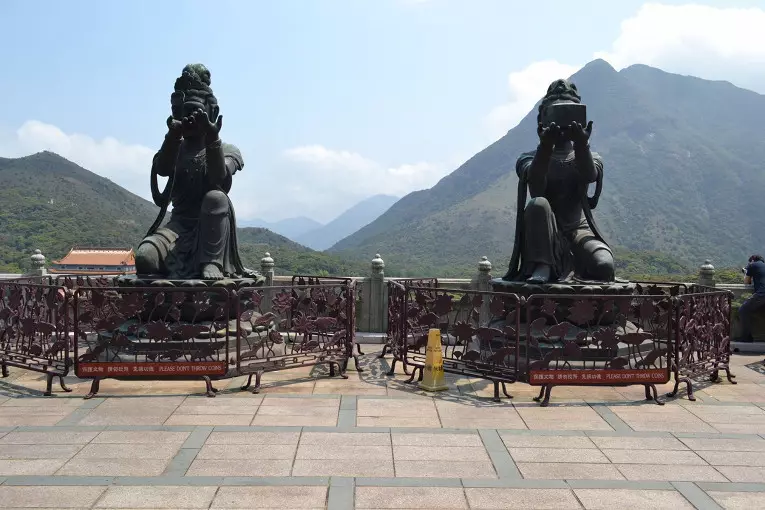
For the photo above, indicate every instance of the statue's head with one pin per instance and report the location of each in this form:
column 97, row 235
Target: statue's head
column 192, row 92
column 559, row 91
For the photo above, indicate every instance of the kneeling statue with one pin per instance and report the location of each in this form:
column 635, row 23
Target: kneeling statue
column 556, row 238
column 199, row 240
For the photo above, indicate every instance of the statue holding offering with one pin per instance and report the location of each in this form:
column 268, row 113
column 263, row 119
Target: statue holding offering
column 556, row 238
column 199, row 240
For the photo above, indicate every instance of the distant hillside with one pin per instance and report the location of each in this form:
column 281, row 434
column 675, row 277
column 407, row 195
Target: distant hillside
column 347, row 223
column 50, row 203
column 684, row 177
column 291, row 228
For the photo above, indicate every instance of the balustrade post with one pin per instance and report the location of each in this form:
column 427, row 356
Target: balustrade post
column 378, row 299
column 267, row 270
column 482, row 283
column 38, row 264
column 707, row 274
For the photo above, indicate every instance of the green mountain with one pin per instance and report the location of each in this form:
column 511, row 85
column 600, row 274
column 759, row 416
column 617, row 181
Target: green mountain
column 52, row 204
column 683, row 182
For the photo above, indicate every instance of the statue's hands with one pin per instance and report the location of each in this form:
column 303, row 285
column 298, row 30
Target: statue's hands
column 174, row 127
column 210, row 129
column 579, row 134
column 548, row 134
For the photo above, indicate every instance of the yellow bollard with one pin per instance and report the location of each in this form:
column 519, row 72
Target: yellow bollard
column 433, row 376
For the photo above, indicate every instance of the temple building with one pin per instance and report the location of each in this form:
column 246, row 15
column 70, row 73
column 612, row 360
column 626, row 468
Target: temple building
column 96, row 261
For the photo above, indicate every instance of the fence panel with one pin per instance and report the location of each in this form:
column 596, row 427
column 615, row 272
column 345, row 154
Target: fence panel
column 702, row 345
column 34, row 330
column 296, row 326
column 396, row 303
column 598, row 340
column 152, row 332
column 474, row 344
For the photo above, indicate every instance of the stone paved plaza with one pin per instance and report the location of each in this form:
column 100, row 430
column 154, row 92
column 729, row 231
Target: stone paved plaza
column 308, row 441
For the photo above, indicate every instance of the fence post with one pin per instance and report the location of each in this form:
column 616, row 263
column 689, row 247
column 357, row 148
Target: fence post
column 482, row 283
column 38, row 264
column 267, row 270
column 707, row 274
column 378, row 316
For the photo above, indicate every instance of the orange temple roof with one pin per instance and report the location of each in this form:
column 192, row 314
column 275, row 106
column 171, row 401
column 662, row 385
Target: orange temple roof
column 98, row 257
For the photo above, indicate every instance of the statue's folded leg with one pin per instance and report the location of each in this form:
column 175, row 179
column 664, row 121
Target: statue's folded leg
column 540, row 232
column 593, row 258
column 214, row 229
column 152, row 252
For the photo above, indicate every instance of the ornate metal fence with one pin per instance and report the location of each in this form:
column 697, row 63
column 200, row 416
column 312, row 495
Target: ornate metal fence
column 598, row 340
column 479, row 332
column 152, row 332
column 34, row 330
column 396, row 305
column 290, row 327
column 702, row 340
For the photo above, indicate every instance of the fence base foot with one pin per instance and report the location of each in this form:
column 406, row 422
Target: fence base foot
column 392, row 370
column 688, row 386
column 209, row 389
column 94, row 387
column 652, row 394
column 496, row 391
column 358, row 348
column 4, row 370
column 247, row 384
column 545, row 390
column 385, row 351
column 415, row 370
column 63, row 386
column 730, row 376
column 256, row 389
column 355, row 362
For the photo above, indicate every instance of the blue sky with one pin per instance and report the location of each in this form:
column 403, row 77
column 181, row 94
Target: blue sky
column 330, row 100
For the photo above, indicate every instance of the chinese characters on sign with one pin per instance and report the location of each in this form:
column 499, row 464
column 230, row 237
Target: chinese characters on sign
column 143, row 369
column 650, row 376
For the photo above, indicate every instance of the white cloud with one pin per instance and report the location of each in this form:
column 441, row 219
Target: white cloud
column 355, row 175
column 708, row 42
column 127, row 165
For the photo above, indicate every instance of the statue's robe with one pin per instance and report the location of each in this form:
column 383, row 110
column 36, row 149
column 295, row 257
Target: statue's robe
column 554, row 228
column 202, row 225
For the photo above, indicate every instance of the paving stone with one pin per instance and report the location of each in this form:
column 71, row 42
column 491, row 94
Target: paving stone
column 49, row 438
column 300, row 402
column 626, row 499
column 42, row 403
column 674, row 457
column 740, row 474
column 247, row 451
column 243, row 467
column 209, row 419
column 534, row 441
column 156, row 497
column 216, row 410
column 638, row 443
column 568, row 471
column 113, row 467
column 42, row 451
column 49, row 496
column 395, row 407
column 673, row 473
column 739, row 428
column 129, row 451
column 410, row 497
column 37, row 467
column 270, row 497
column 295, row 421
column 31, row 419
column 143, row 436
column 355, row 467
column 119, row 418
column 318, row 411
column 502, row 499
column 398, row 421
column 444, row 469
column 437, row 453
column 435, row 439
column 557, row 455
column 739, row 500
column 345, row 439
column 733, row 458
column 729, row 445
column 252, row 438
column 331, row 452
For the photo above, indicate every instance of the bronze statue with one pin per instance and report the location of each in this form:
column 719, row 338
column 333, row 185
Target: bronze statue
column 199, row 240
column 556, row 238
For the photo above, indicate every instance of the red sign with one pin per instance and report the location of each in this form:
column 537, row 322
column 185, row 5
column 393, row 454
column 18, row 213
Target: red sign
column 629, row 376
column 151, row 369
